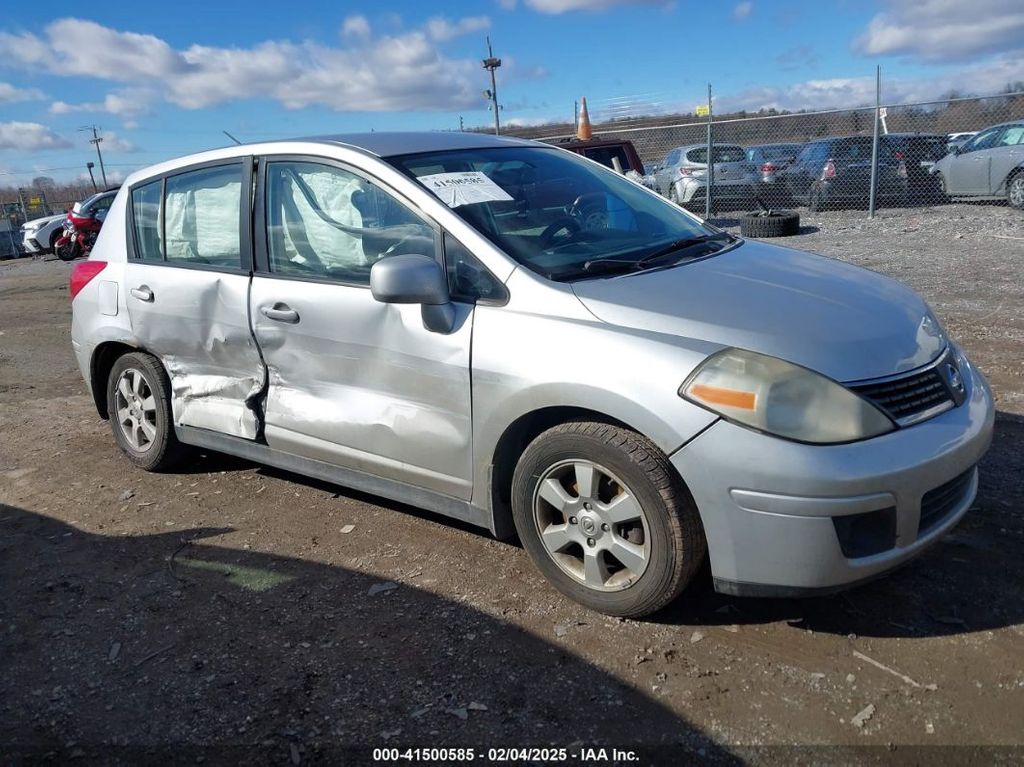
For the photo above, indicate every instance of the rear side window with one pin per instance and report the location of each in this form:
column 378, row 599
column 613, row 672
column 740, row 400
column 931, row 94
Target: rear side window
column 673, row 157
column 1012, row 136
column 720, row 154
column 146, row 221
column 201, row 216
column 604, row 155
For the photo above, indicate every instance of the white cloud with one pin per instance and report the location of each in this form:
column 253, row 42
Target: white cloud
column 944, row 30
column 555, row 7
column 404, row 71
column 508, row 5
column 838, row 93
column 742, row 11
column 30, row 137
column 114, row 143
column 357, row 27
column 9, row 94
column 127, row 103
column 440, row 29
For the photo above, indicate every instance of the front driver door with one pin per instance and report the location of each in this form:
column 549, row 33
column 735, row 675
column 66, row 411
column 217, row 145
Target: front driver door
column 354, row 382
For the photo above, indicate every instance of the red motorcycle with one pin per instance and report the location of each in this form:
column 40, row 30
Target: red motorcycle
column 82, row 226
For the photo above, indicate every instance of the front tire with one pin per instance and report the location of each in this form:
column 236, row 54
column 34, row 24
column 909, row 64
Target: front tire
column 1015, row 191
column 139, row 407
column 606, row 519
column 68, row 251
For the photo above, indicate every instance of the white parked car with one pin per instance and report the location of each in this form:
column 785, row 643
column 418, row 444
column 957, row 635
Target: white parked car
column 39, row 235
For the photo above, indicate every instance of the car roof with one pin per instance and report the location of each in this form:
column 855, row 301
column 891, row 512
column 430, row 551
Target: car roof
column 393, row 143
column 381, row 145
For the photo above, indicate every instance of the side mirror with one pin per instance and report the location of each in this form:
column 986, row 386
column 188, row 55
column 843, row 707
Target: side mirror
column 415, row 279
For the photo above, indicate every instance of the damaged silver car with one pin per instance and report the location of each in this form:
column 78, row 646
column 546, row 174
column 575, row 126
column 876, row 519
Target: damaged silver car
column 515, row 336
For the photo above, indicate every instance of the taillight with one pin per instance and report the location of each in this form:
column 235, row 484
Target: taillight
column 769, row 167
column 829, row 171
column 899, row 156
column 81, row 273
column 692, row 171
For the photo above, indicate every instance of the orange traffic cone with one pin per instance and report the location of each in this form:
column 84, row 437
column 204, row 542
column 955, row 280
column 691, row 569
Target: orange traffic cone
column 583, row 130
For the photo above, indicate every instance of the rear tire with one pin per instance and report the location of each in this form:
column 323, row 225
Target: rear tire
column 615, row 494
column 139, row 407
column 782, row 223
column 1015, row 191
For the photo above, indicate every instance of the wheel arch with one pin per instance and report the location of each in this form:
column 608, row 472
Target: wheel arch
column 510, row 445
column 103, row 359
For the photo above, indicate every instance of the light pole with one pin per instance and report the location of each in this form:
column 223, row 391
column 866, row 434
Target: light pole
column 491, row 64
column 92, row 178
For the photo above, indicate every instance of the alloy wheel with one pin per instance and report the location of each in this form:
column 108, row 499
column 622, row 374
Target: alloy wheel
column 591, row 525
column 135, row 407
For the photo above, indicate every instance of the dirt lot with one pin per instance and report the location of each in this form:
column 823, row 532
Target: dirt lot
column 224, row 613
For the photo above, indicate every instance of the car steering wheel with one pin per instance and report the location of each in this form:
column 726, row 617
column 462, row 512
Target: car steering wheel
column 564, row 223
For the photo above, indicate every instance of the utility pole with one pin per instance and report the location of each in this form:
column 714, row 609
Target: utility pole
column 462, row 125
column 491, row 64
column 89, row 166
column 96, row 139
column 708, row 203
column 874, row 142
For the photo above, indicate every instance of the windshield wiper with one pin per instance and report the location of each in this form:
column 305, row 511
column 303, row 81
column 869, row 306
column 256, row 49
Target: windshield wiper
column 627, row 265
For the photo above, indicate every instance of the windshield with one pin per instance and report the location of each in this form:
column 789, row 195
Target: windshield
column 552, row 211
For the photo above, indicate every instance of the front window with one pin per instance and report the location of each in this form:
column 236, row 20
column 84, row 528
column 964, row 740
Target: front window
column 984, row 140
column 554, row 213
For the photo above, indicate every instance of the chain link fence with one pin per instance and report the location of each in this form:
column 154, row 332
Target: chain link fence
column 927, row 153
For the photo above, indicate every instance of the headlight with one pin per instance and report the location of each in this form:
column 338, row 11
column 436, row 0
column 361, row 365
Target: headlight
column 778, row 397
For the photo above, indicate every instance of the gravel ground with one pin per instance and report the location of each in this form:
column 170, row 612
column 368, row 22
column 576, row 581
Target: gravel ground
column 230, row 612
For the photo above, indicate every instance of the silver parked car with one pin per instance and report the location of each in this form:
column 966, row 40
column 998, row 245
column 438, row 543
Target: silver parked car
column 683, row 176
column 515, row 336
column 990, row 166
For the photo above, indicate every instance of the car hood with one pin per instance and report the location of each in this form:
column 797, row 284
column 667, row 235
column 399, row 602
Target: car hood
column 841, row 320
column 38, row 222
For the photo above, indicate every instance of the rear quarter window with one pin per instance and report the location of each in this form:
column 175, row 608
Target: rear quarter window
column 146, row 222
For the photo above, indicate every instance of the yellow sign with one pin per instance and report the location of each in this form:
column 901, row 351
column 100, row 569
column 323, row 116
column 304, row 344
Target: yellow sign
column 703, row 110
column 35, row 201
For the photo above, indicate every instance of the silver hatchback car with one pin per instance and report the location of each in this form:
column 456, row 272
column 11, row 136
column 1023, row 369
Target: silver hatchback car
column 515, row 336
column 683, row 177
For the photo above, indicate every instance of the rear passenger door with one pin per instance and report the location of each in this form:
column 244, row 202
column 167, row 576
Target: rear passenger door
column 969, row 171
column 187, row 278
column 354, row 382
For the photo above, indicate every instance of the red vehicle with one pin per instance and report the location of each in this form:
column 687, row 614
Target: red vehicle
column 83, row 225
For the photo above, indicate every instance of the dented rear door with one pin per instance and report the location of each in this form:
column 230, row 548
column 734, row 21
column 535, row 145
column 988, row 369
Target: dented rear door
column 188, row 288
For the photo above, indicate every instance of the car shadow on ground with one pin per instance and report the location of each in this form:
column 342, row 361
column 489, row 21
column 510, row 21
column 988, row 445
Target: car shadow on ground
column 133, row 649
column 966, row 582
column 956, row 587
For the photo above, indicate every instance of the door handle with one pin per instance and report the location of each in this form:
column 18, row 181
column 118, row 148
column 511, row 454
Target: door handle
column 143, row 293
column 280, row 313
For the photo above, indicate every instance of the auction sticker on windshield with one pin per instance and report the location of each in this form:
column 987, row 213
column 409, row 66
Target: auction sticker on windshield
column 464, row 188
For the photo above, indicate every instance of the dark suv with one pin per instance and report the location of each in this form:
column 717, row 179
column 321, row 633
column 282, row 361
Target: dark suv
column 836, row 172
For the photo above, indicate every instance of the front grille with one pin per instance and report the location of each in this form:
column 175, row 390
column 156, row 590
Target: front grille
column 909, row 396
column 938, row 503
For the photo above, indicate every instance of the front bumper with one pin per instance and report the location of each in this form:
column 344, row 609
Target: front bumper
column 768, row 505
column 29, row 242
column 690, row 190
